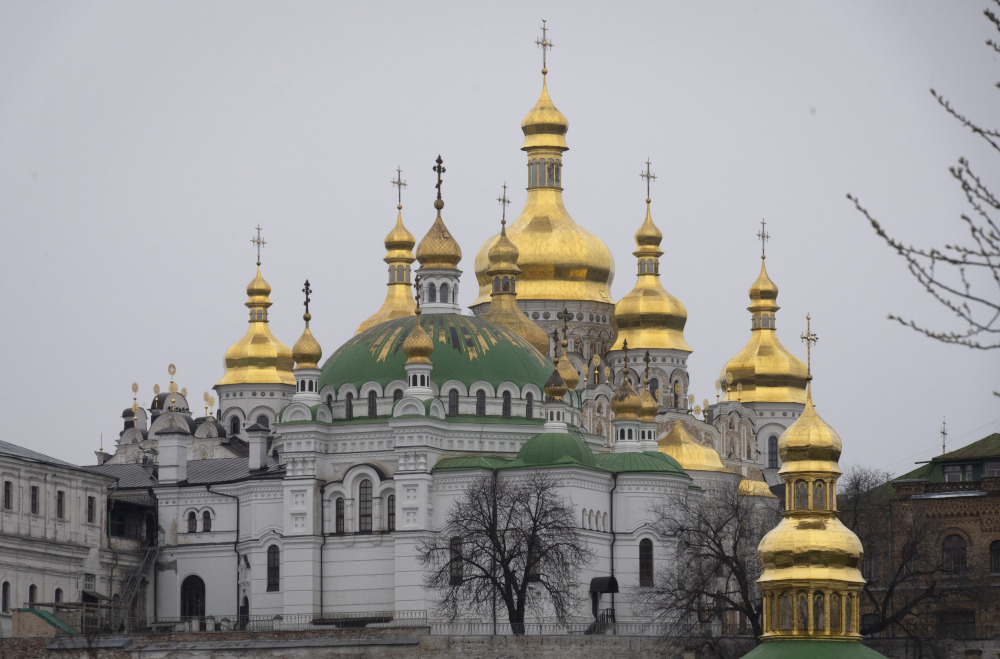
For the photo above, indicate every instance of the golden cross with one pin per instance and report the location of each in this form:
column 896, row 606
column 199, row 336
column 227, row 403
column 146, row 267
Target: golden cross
column 649, row 176
column 416, row 290
column 259, row 242
column 764, row 236
column 504, row 203
column 545, row 45
column 810, row 339
column 555, row 347
column 400, row 184
column 645, row 379
column 307, row 290
column 439, row 168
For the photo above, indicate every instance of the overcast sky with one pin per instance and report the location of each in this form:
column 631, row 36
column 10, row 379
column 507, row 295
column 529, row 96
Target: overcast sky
column 140, row 143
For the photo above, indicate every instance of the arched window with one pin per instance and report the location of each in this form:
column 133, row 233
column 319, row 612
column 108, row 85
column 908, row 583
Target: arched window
column 772, row 452
column 192, row 597
column 234, row 426
column 397, row 395
column 365, row 506
column 953, row 554
column 329, row 400
column 372, row 405
column 506, row 405
column 480, row 403
column 57, row 596
column 453, row 402
column 819, row 495
column 390, row 513
column 339, row 514
column 654, row 387
column 645, row 562
column 206, row 521
column 995, row 557
column 455, row 562
column 432, row 293
column 349, row 406
column 444, row 293
column 273, row 568
column 819, row 612
column 5, row 597
column 192, row 522
column 32, row 594
column 263, row 421
column 529, row 405
column 801, row 495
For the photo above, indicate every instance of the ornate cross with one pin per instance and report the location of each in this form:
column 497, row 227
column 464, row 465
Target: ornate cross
column 259, row 242
column 764, row 236
column 646, row 377
column 545, row 45
column 400, row 184
column 810, row 339
column 416, row 291
column 307, row 290
column 439, row 168
column 504, row 203
column 565, row 321
column 649, row 176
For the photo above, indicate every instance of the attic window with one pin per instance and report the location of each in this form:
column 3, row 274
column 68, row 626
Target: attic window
column 992, row 469
column 957, row 473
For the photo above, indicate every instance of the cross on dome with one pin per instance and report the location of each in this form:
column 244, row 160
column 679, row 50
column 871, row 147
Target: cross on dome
column 649, row 176
column 504, row 203
column 399, row 183
column 307, row 290
column 545, row 44
column 259, row 242
column 763, row 235
column 809, row 339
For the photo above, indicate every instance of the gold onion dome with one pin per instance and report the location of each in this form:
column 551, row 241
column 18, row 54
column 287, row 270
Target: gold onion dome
column 649, row 316
column 691, row 455
column 555, row 387
column 649, row 406
column 259, row 357
column 809, row 444
column 765, row 368
column 399, row 255
column 418, row 346
column 438, row 249
column 559, row 260
column 626, row 402
column 749, row 487
column 566, row 369
column 307, row 352
column 504, row 310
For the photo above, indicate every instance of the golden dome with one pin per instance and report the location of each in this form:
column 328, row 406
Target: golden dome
column 809, row 549
column 649, row 316
column 559, row 260
column 765, row 368
column 258, row 358
column 555, row 387
column 307, row 352
column 438, row 249
column 649, row 406
column 503, row 309
column 399, row 255
column 809, row 444
column 566, row 369
column 754, row 488
column 691, row 455
column 626, row 402
column 418, row 346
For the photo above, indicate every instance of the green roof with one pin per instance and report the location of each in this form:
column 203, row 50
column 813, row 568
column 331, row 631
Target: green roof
column 814, row 649
column 976, row 453
column 466, row 348
column 550, row 449
column 644, row 463
column 467, row 462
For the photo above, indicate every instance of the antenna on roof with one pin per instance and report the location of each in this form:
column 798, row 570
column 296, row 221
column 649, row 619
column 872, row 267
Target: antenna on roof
column 944, row 435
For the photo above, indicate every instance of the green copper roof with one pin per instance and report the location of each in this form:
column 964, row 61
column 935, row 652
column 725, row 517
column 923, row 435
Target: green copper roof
column 813, row 649
column 551, row 449
column 644, row 463
column 986, row 449
column 466, row 348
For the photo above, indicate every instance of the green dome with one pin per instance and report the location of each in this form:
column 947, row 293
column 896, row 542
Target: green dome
column 640, row 463
column 813, row 648
column 466, row 348
column 551, row 449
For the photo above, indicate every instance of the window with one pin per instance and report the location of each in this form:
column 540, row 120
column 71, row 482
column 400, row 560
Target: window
column 349, row 407
column 801, row 495
column 819, row 495
column 263, row 421
column 835, row 614
column 956, row 624
column 390, row 516
column 772, row 452
column 32, row 594
column 453, row 402
column 819, row 611
column 61, row 504
column 432, row 293
column 957, row 473
column 869, row 566
column 91, row 510
column 645, row 562
column 273, row 568
column 234, row 426
column 506, row 405
column 455, row 564
column 339, row 513
column 34, row 499
column 480, row 403
column 953, row 554
column 8, row 495
column 654, row 388
column 365, row 506
column 991, row 469
column 372, row 405
column 57, row 597
column 995, row 557
column 397, row 395
column 5, row 597
column 89, row 581
column 206, row 521
column 529, row 405
column 444, row 293
column 192, row 522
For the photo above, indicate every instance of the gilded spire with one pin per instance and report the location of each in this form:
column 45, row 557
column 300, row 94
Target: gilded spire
column 649, row 316
column 307, row 351
column 418, row 346
column 259, row 357
column 399, row 256
column 438, row 249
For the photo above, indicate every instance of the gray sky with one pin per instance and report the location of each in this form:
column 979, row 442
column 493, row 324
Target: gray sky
column 141, row 142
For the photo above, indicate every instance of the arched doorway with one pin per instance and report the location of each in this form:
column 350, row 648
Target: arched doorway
column 193, row 600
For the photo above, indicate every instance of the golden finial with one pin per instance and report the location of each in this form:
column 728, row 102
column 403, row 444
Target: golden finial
column 172, row 370
column 504, row 203
column 810, row 339
column 416, row 292
column 400, row 184
column 156, row 390
column 555, row 347
column 764, row 236
column 625, row 356
column 718, row 388
column 307, row 290
column 649, row 176
column 259, row 242
column 205, row 398
column 135, row 399
column 439, row 170
column 101, row 447
column 184, row 392
column 545, row 44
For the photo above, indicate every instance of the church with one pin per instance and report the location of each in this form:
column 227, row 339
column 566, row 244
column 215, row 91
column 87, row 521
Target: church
column 311, row 485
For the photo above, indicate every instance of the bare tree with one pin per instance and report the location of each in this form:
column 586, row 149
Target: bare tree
column 712, row 590
column 510, row 538
column 964, row 278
